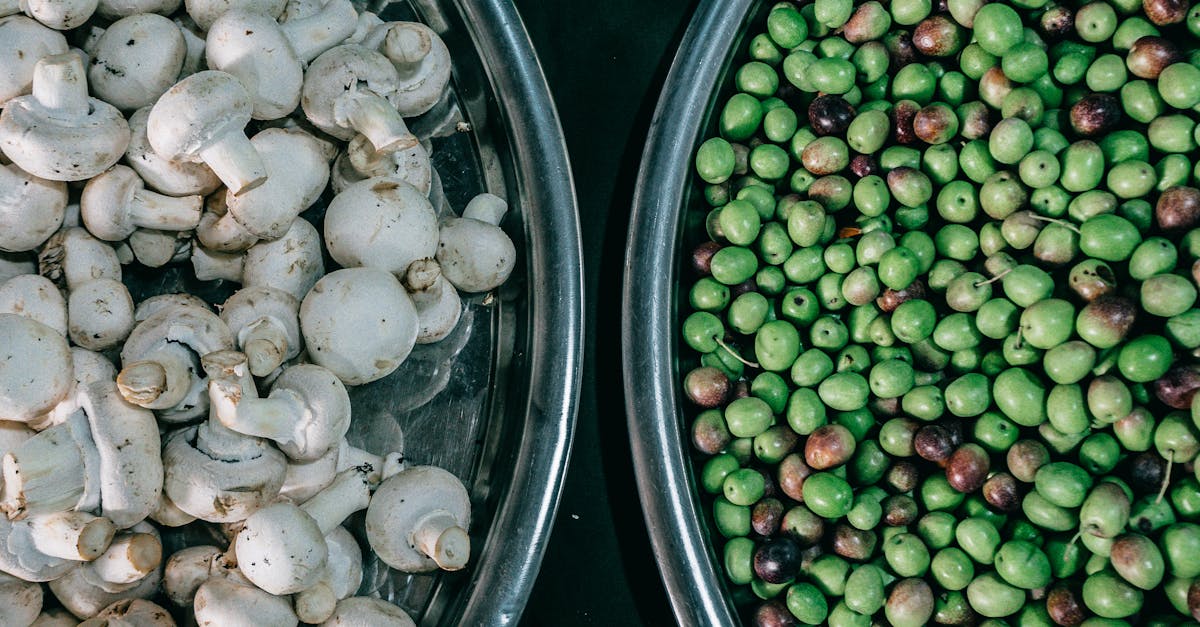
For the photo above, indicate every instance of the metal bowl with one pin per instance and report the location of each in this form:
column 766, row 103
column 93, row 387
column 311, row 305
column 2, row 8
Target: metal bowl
column 674, row 512
column 494, row 403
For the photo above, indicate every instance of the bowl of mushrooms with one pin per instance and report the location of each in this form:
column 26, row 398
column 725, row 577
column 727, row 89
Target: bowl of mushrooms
column 271, row 350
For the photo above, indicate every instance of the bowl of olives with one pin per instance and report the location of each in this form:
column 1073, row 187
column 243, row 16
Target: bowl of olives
column 911, row 331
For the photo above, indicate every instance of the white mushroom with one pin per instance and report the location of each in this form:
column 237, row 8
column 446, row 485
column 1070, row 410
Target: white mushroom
column 218, row 231
column 154, row 248
column 35, row 297
column 60, row 14
column 423, row 63
column 306, row 414
column 282, row 548
column 116, row 9
column 268, row 57
column 209, row 265
column 304, row 479
column 22, row 43
column 131, row 613
column 131, row 568
column 359, row 611
column 31, row 208
column 418, row 519
column 223, row 603
column 58, row 132
column 116, row 203
column 54, row 471
column 20, row 601
column 161, row 361
column 476, row 255
column 438, row 304
column 173, row 178
column 367, row 22
column 297, row 174
column 155, row 304
column 361, row 160
column 72, row 257
column 167, row 514
column 202, row 118
column 136, row 59
column 99, row 314
column 76, row 536
column 381, row 222
column 342, row 577
column 345, row 92
column 359, row 323
column 13, row 434
column 205, row 12
column 291, row 263
column 214, row 473
column 266, row 323
column 55, row 617
column 35, row 368
column 186, row 569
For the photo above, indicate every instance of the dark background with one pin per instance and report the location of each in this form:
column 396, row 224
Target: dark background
column 605, row 62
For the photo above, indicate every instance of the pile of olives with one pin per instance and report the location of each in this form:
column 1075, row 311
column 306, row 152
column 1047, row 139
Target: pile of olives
column 942, row 324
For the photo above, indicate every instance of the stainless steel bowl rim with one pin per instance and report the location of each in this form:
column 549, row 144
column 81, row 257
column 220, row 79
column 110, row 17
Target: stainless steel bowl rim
column 670, row 499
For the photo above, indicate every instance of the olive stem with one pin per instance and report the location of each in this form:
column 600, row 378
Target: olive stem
column 732, row 352
column 993, row 279
column 1062, row 223
column 1166, row 477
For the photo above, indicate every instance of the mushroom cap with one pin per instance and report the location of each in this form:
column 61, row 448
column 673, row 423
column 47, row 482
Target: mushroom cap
column 333, row 73
column 249, row 304
column 398, row 506
column 198, row 328
column 100, row 314
column 475, row 256
column 131, row 613
column 84, row 593
column 359, row 323
column 411, row 164
column 186, row 569
column 252, row 47
column 292, row 263
column 224, row 485
column 328, row 417
column 35, row 297
column 223, row 603
column 55, row 617
column 196, row 112
column 297, row 173
column 73, row 256
column 306, row 478
column 104, row 206
column 421, row 83
column 16, row 264
column 31, row 208
column 344, row 570
column 154, row 304
column 115, row 9
column 136, row 60
column 281, row 549
column 381, row 222
column 362, row 611
column 206, row 12
column 13, row 434
column 173, row 178
column 20, row 600
column 61, row 148
column 19, row 558
column 61, row 15
column 22, row 42
column 35, row 367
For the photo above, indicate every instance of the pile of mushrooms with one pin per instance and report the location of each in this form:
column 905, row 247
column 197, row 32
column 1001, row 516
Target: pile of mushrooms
column 167, row 133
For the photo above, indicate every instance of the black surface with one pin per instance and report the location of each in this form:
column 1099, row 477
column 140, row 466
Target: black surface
column 605, row 62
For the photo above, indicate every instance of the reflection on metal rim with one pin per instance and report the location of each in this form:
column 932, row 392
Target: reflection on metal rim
column 670, row 499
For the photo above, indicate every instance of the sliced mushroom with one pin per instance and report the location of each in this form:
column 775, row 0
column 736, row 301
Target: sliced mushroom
column 31, row 208
column 214, row 473
column 266, row 323
column 282, row 547
column 417, row 521
column 356, row 611
column 201, row 118
column 23, row 42
column 476, row 255
column 381, row 222
column 173, row 178
column 359, row 323
column 345, row 92
column 438, row 304
column 161, row 361
column 291, row 263
column 35, row 297
column 136, row 59
column 58, row 132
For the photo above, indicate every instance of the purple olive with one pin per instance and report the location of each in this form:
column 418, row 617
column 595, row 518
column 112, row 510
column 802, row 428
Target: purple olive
column 1065, row 606
column 1150, row 55
column 854, row 544
column 864, row 165
column 1095, row 114
column 1001, row 492
column 706, row 386
column 1057, row 22
column 1178, row 208
column 938, row 36
column 777, row 560
column 830, row 115
column 792, row 473
column 1164, row 12
column 968, row 468
column 773, row 613
column 702, row 257
column 766, row 516
column 904, row 113
column 1177, row 387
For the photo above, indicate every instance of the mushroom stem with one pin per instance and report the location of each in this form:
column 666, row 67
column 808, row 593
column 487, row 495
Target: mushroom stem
column 312, row 35
column 315, row 604
column 272, row 418
column 383, row 466
column 374, row 117
column 158, row 381
column 438, row 535
column 129, row 558
column 9, row 7
column 486, row 207
column 210, row 265
column 349, row 493
column 151, row 210
column 235, row 161
column 406, row 48
column 72, row 535
column 60, row 84
column 265, row 343
column 54, row 471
